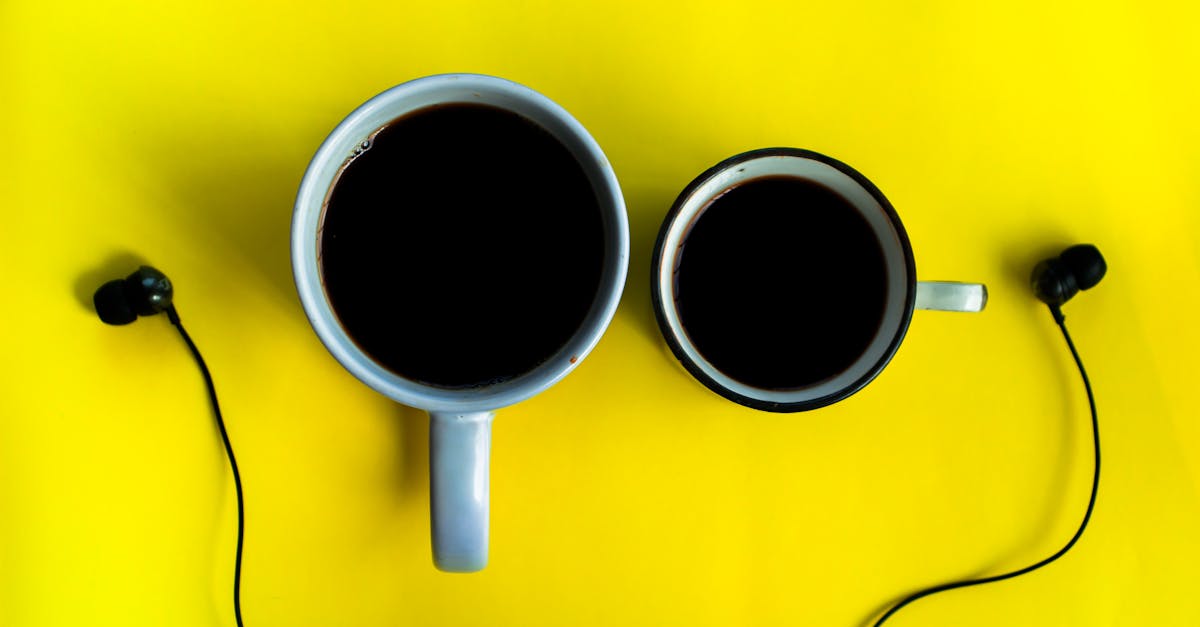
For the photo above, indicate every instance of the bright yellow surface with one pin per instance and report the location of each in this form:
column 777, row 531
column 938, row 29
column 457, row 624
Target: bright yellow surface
column 628, row 494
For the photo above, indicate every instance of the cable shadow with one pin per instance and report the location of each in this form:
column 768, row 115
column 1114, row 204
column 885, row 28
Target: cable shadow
column 1018, row 265
column 874, row 615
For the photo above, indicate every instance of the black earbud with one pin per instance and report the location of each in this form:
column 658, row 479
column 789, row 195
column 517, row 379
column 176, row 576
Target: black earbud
column 144, row 293
column 1079, row 267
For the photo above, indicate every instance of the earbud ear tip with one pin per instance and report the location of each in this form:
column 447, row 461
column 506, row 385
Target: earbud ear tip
column 1086, row 263
column 112, row 305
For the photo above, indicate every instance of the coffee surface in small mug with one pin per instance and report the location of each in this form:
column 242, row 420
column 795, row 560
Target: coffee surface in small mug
column 780, row 282
column 463, row 247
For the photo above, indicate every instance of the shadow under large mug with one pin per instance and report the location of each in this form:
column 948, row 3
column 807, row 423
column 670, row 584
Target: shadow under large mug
column 783, row 280
column 460, row 244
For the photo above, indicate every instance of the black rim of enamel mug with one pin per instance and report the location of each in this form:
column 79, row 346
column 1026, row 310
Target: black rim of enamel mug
column 712, row 384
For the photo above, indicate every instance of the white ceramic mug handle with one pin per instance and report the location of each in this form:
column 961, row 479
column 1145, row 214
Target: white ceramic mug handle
column 951, row 296
column 460, row 447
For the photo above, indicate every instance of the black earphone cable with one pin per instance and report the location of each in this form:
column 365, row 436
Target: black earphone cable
column 237, row 478
column 1058, row 318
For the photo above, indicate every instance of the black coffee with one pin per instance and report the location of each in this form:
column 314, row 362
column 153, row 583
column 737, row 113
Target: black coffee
column 464, row 247
column 781, row 283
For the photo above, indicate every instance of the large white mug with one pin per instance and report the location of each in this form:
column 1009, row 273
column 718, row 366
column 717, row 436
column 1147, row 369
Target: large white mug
column 461, row 417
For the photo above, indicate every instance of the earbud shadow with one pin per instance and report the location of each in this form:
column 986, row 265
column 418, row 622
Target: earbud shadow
column 246, row 207
column 117, row 266
column 233, row 185
column 1018, row 264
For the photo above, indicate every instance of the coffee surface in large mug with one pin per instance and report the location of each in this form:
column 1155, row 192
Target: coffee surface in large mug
column 463, row 247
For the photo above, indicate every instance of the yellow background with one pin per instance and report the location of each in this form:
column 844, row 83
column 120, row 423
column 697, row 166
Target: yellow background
column 628, row 494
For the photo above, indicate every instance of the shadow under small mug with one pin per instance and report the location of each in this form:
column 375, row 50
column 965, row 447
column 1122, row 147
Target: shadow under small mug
column 460, row 244
column 783, row 280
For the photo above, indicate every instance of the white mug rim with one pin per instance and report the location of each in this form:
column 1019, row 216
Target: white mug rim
column 361, row 124
column 886, row 224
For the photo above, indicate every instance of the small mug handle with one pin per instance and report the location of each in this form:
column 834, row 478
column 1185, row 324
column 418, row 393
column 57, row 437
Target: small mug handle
column 459, row 457
column 951, row 296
